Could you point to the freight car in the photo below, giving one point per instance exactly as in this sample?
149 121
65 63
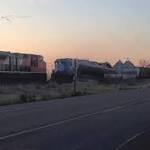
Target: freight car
144 72
18 67
64 70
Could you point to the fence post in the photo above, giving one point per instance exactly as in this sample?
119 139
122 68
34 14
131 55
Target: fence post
75 76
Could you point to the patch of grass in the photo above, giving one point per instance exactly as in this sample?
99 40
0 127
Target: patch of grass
12 94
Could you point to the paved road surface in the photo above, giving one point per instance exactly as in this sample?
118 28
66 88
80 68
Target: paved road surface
103 122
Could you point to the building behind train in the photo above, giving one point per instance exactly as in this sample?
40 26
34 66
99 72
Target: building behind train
19 67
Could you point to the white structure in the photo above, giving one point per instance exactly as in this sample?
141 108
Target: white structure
126 70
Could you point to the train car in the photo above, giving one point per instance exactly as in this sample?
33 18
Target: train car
144 72
18 67
64 70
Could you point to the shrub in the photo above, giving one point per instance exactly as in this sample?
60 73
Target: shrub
31 98
24 98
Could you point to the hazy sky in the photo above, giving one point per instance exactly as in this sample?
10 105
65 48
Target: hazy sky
94 29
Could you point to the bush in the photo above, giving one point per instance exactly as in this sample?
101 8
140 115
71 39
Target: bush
24 98
31 98
79 93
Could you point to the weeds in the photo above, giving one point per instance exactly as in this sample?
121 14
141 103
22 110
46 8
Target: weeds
29 93
23 98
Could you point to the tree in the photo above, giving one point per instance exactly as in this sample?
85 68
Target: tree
144 63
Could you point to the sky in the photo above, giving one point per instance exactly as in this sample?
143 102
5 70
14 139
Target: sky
101 30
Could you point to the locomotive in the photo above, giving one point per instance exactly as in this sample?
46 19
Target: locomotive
19 67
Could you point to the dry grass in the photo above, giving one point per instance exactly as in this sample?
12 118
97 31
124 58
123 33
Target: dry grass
12 94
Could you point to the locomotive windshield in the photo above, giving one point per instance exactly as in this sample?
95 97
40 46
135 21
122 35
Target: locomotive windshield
64 65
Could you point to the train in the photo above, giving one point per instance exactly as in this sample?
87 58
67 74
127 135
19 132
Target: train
65 69
21 67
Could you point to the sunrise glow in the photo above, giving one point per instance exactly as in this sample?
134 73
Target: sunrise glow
102 30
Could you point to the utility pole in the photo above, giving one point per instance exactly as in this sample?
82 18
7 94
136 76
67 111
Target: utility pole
75 76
